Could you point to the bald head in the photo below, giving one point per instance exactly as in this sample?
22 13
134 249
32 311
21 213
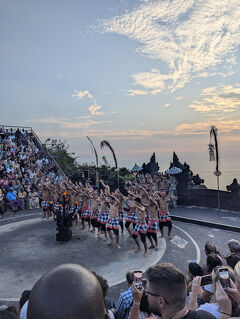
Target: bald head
67 291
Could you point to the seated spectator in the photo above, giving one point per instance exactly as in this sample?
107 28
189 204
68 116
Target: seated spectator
126 299
14 202
33 199
210 249
23 197
194 270
166 290
67 291
234 257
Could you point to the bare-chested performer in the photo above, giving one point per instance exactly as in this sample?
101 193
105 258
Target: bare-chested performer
120 197
153 223
141 226
131 214
104 215
85 215
95 209
113 222
164 216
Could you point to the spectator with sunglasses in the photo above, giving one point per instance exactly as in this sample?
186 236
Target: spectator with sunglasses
166 291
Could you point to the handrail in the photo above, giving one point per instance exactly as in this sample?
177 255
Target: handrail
48 153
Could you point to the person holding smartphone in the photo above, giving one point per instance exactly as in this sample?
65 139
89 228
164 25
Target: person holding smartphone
221 275
166 295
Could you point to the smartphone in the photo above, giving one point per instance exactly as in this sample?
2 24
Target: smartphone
224 277
206 280
137 279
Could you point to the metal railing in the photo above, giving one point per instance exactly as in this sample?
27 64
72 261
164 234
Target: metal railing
48 153
29 129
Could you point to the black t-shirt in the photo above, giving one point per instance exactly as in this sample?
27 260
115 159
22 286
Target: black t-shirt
198 315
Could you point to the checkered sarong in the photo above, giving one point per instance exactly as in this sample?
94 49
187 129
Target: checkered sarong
56 207
113 223
147 215
94 214
85 212
121 215
132 218
153 226
71 210
140 228
45 204
163 216
104 217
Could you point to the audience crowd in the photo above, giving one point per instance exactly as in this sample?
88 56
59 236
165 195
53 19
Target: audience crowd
71 291
23 169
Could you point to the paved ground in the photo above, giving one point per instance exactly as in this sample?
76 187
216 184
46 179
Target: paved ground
28 249
208 214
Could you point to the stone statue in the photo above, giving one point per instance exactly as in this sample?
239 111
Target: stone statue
234 187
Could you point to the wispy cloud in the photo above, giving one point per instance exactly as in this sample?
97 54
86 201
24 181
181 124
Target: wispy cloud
166 105
132 92
191 37
219 99
78 94
68 123
199 128
60 76
94 109
179 98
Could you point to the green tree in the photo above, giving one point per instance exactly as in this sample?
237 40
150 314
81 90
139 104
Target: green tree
60 152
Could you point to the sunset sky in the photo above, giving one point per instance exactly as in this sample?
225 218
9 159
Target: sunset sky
145 75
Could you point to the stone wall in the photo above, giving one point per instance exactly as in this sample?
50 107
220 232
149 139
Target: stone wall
209 198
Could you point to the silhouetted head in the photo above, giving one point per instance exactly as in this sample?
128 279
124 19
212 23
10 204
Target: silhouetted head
210 248
67 291
130 277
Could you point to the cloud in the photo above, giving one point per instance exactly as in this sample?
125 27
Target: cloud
218 99
191 38
94 109
68 123
199 128
153 80
166 105
78 94
133 92
179 98
60 76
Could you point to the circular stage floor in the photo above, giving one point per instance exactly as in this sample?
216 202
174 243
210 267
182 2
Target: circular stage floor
29 249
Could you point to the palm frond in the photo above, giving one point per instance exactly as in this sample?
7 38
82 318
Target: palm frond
96 155
105 143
